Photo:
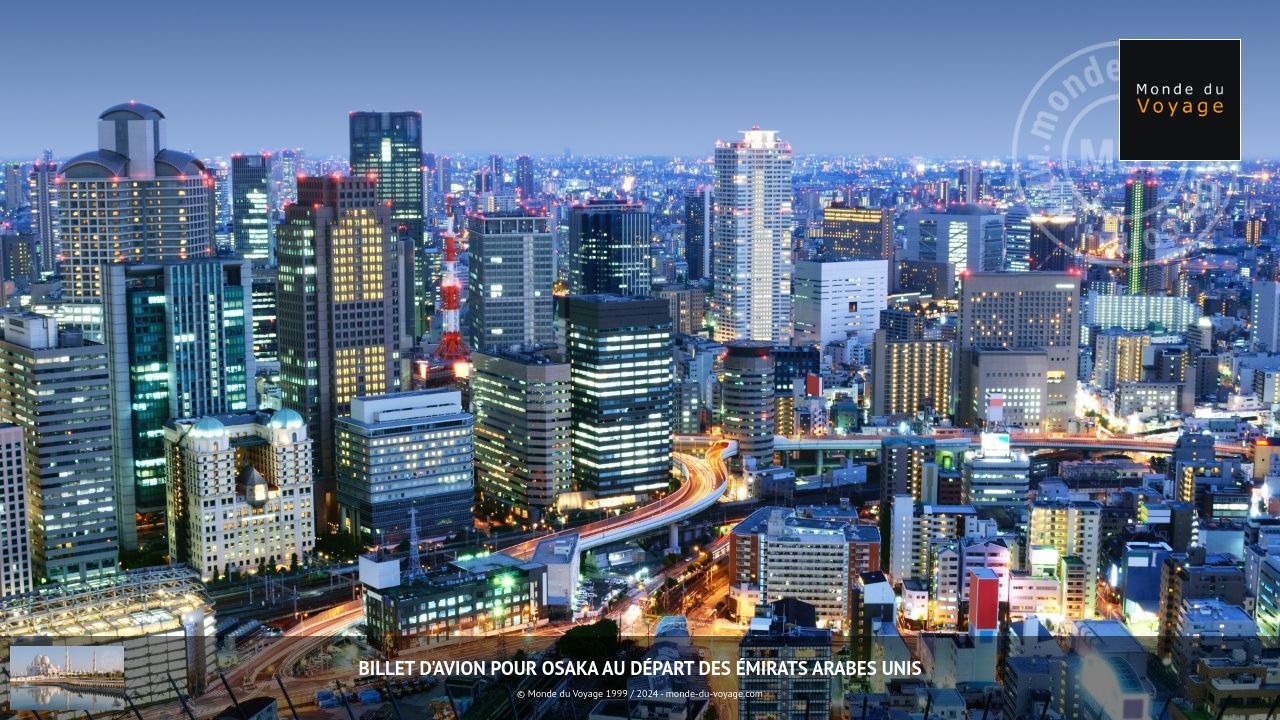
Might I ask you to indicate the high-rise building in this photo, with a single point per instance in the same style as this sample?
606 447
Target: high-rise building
968 237
996 476
855 233
619 353
338 309
16 576
522 438
1060 529
916 527
524 178
1139 312
1117 357
839 300
1265 316
240 492
54 385
266 343
697 232
251 206
609 248
15 191
402 452
969 184
910 377
751 238
776 637
386 147
1140 225
288 166
179 344
1053 245
747 391
1017 239
131 200
1024 312
776 553
45 218
688 307
511 274
21 259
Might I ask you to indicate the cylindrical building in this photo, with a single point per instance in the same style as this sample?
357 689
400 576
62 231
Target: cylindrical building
747 392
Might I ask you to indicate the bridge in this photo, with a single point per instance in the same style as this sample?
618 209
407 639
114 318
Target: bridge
1027 441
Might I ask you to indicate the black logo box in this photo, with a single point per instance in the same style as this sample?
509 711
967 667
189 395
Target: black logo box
1194 65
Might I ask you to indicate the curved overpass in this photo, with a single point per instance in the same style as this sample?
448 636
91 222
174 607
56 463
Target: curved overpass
705 481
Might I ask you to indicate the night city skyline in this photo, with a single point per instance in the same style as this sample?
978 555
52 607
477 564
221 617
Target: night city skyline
834 78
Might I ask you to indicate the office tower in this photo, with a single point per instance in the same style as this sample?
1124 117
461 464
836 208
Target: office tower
968 237
1053 245
854 233
609 248
338 309
1140 226
266 343
776 553
751 238
779 638
996 476
21 259
251 206
910 377
386 148
43 191
15 195
747 391
15 552
511 273
1061 529
54 385
688 307
288 166
1020 312
902 324
524 178
697 232
1017 239
619 353
931 279
522 437
839 300
402 452
969 184
131 200
1265 316
240 492
1117 357
498 175
179 339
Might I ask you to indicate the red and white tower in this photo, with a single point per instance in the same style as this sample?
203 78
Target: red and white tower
452 350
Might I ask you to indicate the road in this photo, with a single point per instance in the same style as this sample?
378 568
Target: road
703 477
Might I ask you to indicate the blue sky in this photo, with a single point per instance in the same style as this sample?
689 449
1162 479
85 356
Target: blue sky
110 657
654 77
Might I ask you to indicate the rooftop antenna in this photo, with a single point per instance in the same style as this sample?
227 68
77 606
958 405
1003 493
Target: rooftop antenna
415 559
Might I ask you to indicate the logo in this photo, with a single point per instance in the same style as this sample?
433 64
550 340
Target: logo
1180 100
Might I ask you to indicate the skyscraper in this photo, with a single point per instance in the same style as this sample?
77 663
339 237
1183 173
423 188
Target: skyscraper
54 385
854 233
748 390
1026 312
521 402
338 309
131 200
1017 234
240 492
1053 245
697 232
512 271
524 177
910 377
179 344
402 452
43 191
1140 226
251 205
387 148
619 352
838 300
15 552
969 183
609 248
968 237
751 238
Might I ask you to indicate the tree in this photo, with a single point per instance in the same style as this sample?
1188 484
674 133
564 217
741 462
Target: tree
293 563
593 643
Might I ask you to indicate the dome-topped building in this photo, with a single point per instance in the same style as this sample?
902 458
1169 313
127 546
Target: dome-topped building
133 199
